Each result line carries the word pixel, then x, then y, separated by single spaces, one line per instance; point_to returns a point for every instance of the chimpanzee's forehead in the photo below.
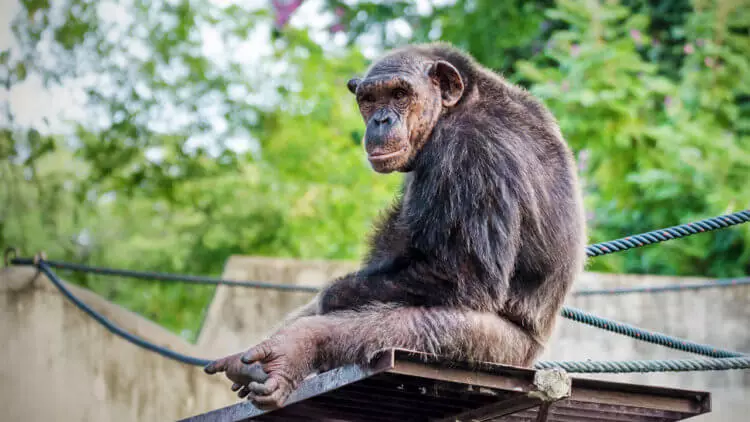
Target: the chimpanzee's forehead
pixel 397 64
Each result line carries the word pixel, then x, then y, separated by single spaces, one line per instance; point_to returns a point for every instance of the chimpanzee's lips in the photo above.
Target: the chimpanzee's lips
pixel 379 156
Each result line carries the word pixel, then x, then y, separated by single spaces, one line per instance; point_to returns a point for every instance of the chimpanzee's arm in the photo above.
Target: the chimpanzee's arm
pixel 468 264
pixel 309 309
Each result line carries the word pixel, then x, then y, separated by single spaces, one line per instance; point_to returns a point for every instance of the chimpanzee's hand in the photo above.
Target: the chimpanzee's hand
pixel 237 372
pixel 286 357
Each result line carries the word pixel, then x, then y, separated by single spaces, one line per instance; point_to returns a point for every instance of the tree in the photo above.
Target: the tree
pixel 178 197
pixel 656 150
pixel 211 130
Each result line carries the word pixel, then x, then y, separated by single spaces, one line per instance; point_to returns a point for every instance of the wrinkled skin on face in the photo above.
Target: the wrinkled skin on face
pixel 401 99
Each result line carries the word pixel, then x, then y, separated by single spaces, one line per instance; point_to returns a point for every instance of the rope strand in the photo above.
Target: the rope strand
pixel 726 282
pixel 644 335
pixel 570 366
pixel 629 366
pixel 670 233
pixel 157 276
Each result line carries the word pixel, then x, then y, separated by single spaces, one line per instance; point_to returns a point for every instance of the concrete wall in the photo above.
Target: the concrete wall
pixel 720 316
pixel 57 364
pixel 240 317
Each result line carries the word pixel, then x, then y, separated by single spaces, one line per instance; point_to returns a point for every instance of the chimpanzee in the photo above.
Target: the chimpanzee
pixel 474 259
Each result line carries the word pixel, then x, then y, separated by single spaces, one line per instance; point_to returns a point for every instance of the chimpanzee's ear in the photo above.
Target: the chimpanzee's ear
pixel 449 79
pixel 352 84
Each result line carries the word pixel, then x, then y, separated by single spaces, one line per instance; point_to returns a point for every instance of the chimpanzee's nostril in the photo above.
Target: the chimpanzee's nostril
pixel 384 120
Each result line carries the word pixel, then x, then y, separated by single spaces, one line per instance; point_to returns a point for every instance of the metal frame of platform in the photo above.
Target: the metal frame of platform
pixel 403 385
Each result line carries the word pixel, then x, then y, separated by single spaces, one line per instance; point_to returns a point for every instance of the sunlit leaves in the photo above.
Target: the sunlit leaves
pixel 657 145
pixel 186 156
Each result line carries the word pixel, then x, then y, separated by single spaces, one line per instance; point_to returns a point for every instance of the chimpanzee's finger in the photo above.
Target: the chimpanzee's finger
pixel 243 392
pixel 218 365
pixel 255 372
pixel 256 353
pixel 275 400
pixel 264 389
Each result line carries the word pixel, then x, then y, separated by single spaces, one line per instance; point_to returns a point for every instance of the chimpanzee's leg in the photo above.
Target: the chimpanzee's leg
pixel 340 338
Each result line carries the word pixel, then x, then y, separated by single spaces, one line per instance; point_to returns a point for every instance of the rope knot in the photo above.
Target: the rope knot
pixel 9 255
pixel 40 257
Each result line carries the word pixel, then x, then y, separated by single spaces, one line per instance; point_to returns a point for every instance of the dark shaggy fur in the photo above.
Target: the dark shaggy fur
pixel 474 259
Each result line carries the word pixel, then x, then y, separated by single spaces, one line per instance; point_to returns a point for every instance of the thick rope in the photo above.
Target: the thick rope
pixel 676 232
pixel 593 250
pixel 109 325
pixel 646 336
pixel 725 282
pixel 156 276
pixel 188 279
pixel 669 365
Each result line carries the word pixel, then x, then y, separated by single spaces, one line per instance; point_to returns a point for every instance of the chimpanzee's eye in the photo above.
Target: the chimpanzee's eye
pixel 399 94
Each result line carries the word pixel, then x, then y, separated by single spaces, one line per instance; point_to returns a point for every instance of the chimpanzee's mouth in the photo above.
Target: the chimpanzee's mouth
pixel 387 155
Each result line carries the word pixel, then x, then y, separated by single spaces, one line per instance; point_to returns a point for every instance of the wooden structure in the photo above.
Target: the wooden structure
pixel 407 386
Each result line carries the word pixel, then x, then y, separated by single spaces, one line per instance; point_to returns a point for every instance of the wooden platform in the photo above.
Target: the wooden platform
pixel 402 385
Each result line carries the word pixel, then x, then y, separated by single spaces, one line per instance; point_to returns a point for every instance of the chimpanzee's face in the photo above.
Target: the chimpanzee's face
pixel 401 99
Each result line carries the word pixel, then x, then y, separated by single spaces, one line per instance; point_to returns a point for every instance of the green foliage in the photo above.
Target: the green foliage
pixel 652 96
pixel 469 24
pixel 303 189
pixel 658 150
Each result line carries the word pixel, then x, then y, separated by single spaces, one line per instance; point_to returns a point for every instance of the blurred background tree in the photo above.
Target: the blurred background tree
pixel 191 130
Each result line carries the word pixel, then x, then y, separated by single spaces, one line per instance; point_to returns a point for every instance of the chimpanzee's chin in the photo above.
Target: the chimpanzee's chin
pixel 382 170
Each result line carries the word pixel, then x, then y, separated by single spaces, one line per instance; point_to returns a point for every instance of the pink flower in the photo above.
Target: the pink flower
pixel 340 11
pixel 284 10
pixel 700 42
pixel 709 61
pixel 575 49
pixel 339 27
pixel 688 49
pixel 635 35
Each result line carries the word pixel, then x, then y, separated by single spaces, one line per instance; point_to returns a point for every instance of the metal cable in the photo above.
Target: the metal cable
pixel 646 336
pixel 675 232
pixel 725 282
pixel 109 325
pixel 156 276
pixel 188 279
pixel 669 365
